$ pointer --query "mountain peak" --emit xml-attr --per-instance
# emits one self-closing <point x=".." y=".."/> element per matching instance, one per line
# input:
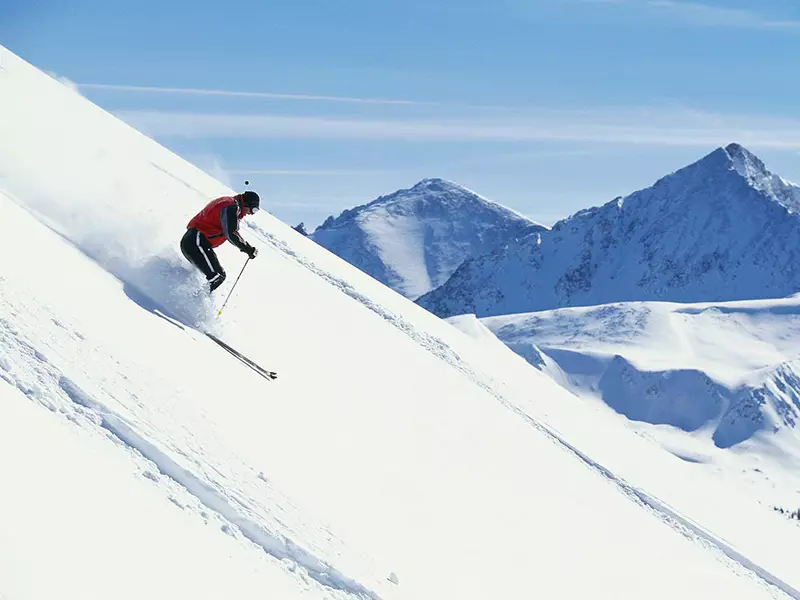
<point x="436" y="194"/>
<point x="438" y="185"/>
<point x="703" y="233"/>
<point x="432" y="181"/>
<point x="414" y="239"/>
<point x="745" y="162"/>
<point x="430" y="187"/>
<point x="738" y="158"/>
<point x="734" y="149"/>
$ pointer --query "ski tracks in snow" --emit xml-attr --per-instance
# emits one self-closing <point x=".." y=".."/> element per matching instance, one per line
<point x="25" y="367"/>
<point x="438" y="347"/>
<point x="217" y="500"/>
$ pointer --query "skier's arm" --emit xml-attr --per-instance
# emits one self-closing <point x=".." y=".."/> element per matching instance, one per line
<point x="230" y="226"/>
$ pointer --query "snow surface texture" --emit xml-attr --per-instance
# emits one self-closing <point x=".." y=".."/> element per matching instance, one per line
<point x="723" y="228"/>
<point x="729" y="369"/>
<point x="414" y="239"/>
<point x="395" y="457"/>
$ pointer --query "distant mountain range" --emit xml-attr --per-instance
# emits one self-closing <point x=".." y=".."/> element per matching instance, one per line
<point x="728" y="370"/>
<point x="723" y="228"/>
<point x="719" y="230"/>
<point x="413" y="240"/>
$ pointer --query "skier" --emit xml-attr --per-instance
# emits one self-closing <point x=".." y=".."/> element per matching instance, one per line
<point x="217" y="222"/>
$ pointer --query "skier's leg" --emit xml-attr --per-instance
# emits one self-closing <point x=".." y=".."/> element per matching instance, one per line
<point x="187" y="250"/>
<point x="196" y="249"/>
<point x="211" y="257"/>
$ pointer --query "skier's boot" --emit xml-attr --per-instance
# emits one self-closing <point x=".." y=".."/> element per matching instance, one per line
<point x="216" y="281"/>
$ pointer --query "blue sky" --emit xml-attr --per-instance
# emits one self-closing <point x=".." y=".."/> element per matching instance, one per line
<point x="546" y="106"/>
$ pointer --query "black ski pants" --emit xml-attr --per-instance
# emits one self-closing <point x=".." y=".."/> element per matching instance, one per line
<point x="198" y="251"/>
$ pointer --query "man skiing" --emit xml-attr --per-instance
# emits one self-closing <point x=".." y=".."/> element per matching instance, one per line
<point x="217" y="222"/>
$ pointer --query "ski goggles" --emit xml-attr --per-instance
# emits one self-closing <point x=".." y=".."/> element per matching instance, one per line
<point x="253" y="210"/>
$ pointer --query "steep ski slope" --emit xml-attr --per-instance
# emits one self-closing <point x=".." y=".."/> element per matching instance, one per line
<point x="723" y="228"/>
<point x="392" y="448"/>
<point x="413" y="240"/>
<point x="82" y="516"/>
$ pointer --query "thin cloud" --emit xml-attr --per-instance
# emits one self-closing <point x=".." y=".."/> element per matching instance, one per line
<point x="700" y="13"/>
<point x="708" y="14"/>
<point x="623" y="126"/>
<point x="242" y="94"/>
<point x="293" y="97"/>
<point x="307" y="172"/>
<point x="325" y="204"/>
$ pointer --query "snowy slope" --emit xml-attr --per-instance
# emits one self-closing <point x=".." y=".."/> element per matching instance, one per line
<point x="394" y="457"/>
<point x="414" y="239"/>
<point x="723" y="228"/>
<point x="731" y="370"/>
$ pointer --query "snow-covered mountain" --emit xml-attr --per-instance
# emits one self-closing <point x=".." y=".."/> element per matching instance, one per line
<point x="394" y="457"/>
<point x="723" y="228"/>
<point x="729" y="372"/>
<point x="414" y="239"/>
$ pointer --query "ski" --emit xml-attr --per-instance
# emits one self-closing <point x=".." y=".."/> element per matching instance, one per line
<point x="265" y="373"/>
<point x="268" y="375"/>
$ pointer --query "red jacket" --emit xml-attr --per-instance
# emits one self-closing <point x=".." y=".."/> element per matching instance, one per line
<point x="209" y="220"/>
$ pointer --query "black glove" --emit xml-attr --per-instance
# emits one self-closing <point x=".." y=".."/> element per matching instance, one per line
<point x="251" y="251"/>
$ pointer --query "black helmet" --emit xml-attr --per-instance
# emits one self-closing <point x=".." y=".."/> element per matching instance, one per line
<point x="250" y="199"/>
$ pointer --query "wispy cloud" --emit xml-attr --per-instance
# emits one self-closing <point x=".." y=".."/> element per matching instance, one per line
<point x="700" y="13"/>
<point x="708" y="14"/>
<point x="244" y="94"/>
<point x="666" y="127"/>
<point x="307" y="172"/>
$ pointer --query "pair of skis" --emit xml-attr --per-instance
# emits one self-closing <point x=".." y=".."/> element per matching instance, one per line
<point x="265" y="373"/>
<point x="268" y="375"/>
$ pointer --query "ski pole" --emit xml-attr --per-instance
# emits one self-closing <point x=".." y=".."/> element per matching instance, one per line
<point x="234" y="285"/>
